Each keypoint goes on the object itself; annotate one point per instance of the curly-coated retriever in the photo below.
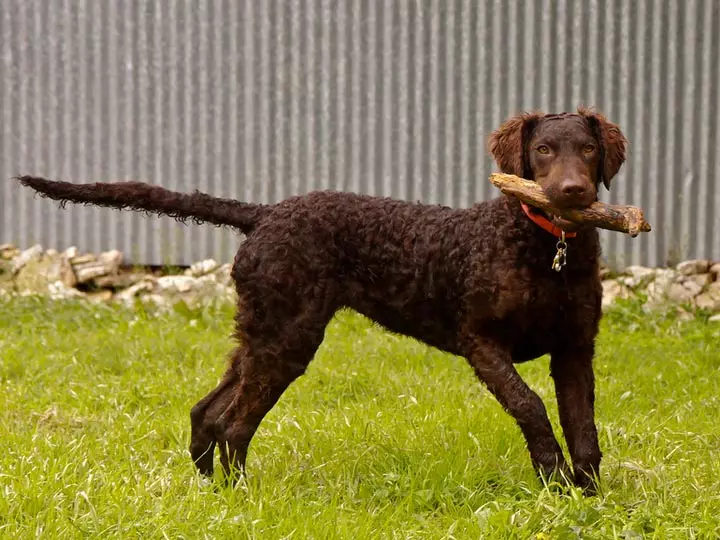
(475, 282)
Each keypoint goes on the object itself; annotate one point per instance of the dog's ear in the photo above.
(508, 144)
(612, 144)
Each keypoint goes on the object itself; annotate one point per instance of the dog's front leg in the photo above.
(572, 371)
(493, 365)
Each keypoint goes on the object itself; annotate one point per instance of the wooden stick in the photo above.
(613, 217)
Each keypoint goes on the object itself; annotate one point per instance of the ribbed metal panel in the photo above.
(260, 100)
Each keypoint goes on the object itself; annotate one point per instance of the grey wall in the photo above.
(261, 99)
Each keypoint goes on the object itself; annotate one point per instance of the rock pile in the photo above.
(691, 284)
(103, 278)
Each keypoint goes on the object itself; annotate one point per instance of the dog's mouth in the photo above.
(560, 222)
(563, 203)
(565, 224)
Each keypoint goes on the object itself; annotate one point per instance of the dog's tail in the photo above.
(198, 207)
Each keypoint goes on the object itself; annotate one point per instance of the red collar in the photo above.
(544, 222)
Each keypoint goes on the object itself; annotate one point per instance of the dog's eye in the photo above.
(589, 149)
(543, 149)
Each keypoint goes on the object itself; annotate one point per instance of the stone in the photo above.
(221, 292)
(127, 296)
(59, 291)
(703, 280)
(639, 271)
(201, 268)
(8, 251)
(683, 293)
(695, 266)
(176, 284)
(35, 252)
(637, 276)
(81, 259)
(710, 298)
(99, 296)
(194, 292)
(156, 300)
(88, 271)
(113, 256)
(715, 318)
(223, 275)
(684, 315)
(715, 270)
(107, 263)
(118, 281)
(612, 291)
(659, 287)
(6, 275)
(658, 290)
(39, 273)
(6, 270)
(71, 253)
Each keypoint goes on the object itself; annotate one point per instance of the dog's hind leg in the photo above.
(266, 368)
(204, 415)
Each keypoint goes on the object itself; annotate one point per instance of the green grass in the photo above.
(383, 437)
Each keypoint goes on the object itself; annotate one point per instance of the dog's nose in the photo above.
(573, 188)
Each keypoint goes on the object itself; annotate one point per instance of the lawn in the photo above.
(382, 438)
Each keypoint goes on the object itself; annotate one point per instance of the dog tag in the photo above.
(561, 254)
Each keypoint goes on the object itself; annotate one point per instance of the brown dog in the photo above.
(475, 282)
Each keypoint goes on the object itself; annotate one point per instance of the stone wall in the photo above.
(104, 278)
(690, 286)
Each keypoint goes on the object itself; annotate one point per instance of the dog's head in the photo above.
(568, 154)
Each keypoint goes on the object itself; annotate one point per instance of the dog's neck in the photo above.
(583, 249)
(544, 223)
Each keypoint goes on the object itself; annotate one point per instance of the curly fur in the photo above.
(474, 282)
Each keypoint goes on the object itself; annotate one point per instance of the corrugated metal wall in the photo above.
(261, 99)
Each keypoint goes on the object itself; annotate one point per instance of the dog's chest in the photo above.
(545, 315)
(544, 303)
